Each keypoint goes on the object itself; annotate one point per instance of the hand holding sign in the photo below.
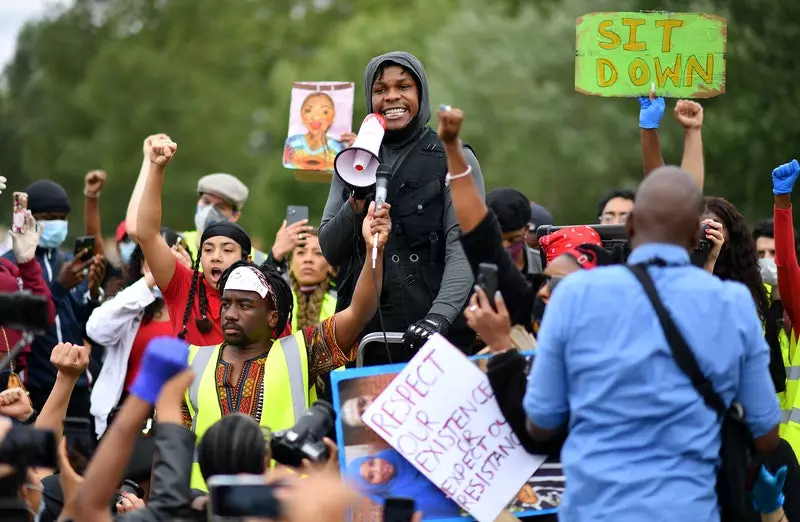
(651, 110)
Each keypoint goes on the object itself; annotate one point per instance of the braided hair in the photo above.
(277, 284)
(308, 308)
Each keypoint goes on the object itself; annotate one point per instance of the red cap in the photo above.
(566, 240)
(121, 232)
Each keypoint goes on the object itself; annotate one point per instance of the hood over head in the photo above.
(394, 139)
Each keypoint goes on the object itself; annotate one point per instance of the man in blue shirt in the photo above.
(642, 443)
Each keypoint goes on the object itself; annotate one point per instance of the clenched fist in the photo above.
(15, 403)
(689, 114)
(161, 150)
(148, 142)
(95, 180)
(70, 359)
(450, 120)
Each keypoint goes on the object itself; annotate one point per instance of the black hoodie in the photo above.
(340, 223)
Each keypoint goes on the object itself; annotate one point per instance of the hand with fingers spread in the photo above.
(161, 150)
(651, 110)
(73, 272)
(289, 237)
(15, 403)
(94, 183)
(784, 177)
(377, 222)
(494, 327)
(24, 243)
(70, 359)
(715, 234)
(450, 121)
(689, 114)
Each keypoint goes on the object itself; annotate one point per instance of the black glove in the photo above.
(419, 333)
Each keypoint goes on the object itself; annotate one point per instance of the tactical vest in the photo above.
(327, 309)
(286, 392)
(414, 256)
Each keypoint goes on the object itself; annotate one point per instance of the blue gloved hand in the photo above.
(768, 490)
(651, 112)
(784, 178)
(164, 358)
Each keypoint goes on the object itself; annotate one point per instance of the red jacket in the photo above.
(30, 274)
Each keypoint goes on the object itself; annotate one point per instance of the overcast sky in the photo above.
(13, 15)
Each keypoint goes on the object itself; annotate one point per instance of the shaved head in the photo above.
(668, 207)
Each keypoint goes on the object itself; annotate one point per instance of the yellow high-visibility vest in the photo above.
(286, 390)
(327, 309)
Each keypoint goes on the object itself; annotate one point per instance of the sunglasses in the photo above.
(540, 280)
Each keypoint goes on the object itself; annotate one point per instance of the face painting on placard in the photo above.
(320, 113)
(681, 55)
(378, 471)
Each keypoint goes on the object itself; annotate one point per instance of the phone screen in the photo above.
(487, 279)
(244, 500)
(84, 243)
(81, 442)
(397, 509)
(295, 213)
(20, 207)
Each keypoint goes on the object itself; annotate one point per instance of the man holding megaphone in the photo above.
(428, 278)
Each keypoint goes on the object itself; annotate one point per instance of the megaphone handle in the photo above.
(374, 250)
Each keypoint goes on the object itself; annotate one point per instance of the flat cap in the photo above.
(225, 186)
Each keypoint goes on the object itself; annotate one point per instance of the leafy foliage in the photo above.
(88, 83)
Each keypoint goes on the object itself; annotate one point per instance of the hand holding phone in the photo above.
(487, 280)
(84, 244)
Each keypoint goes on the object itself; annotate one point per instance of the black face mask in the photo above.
(537, 313)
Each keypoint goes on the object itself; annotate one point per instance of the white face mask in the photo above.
(206, 216)
(769, 271)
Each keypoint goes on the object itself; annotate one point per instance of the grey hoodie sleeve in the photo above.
(457, 280)
(338, 222)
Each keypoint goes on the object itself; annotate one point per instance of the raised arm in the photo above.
(95, 180)
(783, 180)
(690, 115)
(651, 110)
(366, 296)
(143, 221)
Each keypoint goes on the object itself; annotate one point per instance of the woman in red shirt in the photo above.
(191, 296)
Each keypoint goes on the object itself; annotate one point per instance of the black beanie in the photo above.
(511, 207)
(47, 196)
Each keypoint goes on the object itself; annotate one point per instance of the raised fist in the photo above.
(95, 180)
(70, 359)
(161, 150)
(689, 114)
(450, 120)
(148, 142)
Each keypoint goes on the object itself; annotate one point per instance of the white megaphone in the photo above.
(357, 165)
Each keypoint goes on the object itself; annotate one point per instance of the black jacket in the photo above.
(484, 244)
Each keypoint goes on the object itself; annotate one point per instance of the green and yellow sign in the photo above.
(623, 54)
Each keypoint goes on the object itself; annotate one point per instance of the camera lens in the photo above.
(316, 422)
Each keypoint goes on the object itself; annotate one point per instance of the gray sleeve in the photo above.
(338, 222)
(457, 280)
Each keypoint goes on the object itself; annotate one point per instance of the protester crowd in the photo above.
(664, 382)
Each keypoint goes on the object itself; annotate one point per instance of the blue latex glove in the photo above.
(768, 490)
(651, 112)
(164, 358)
(784, 178)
